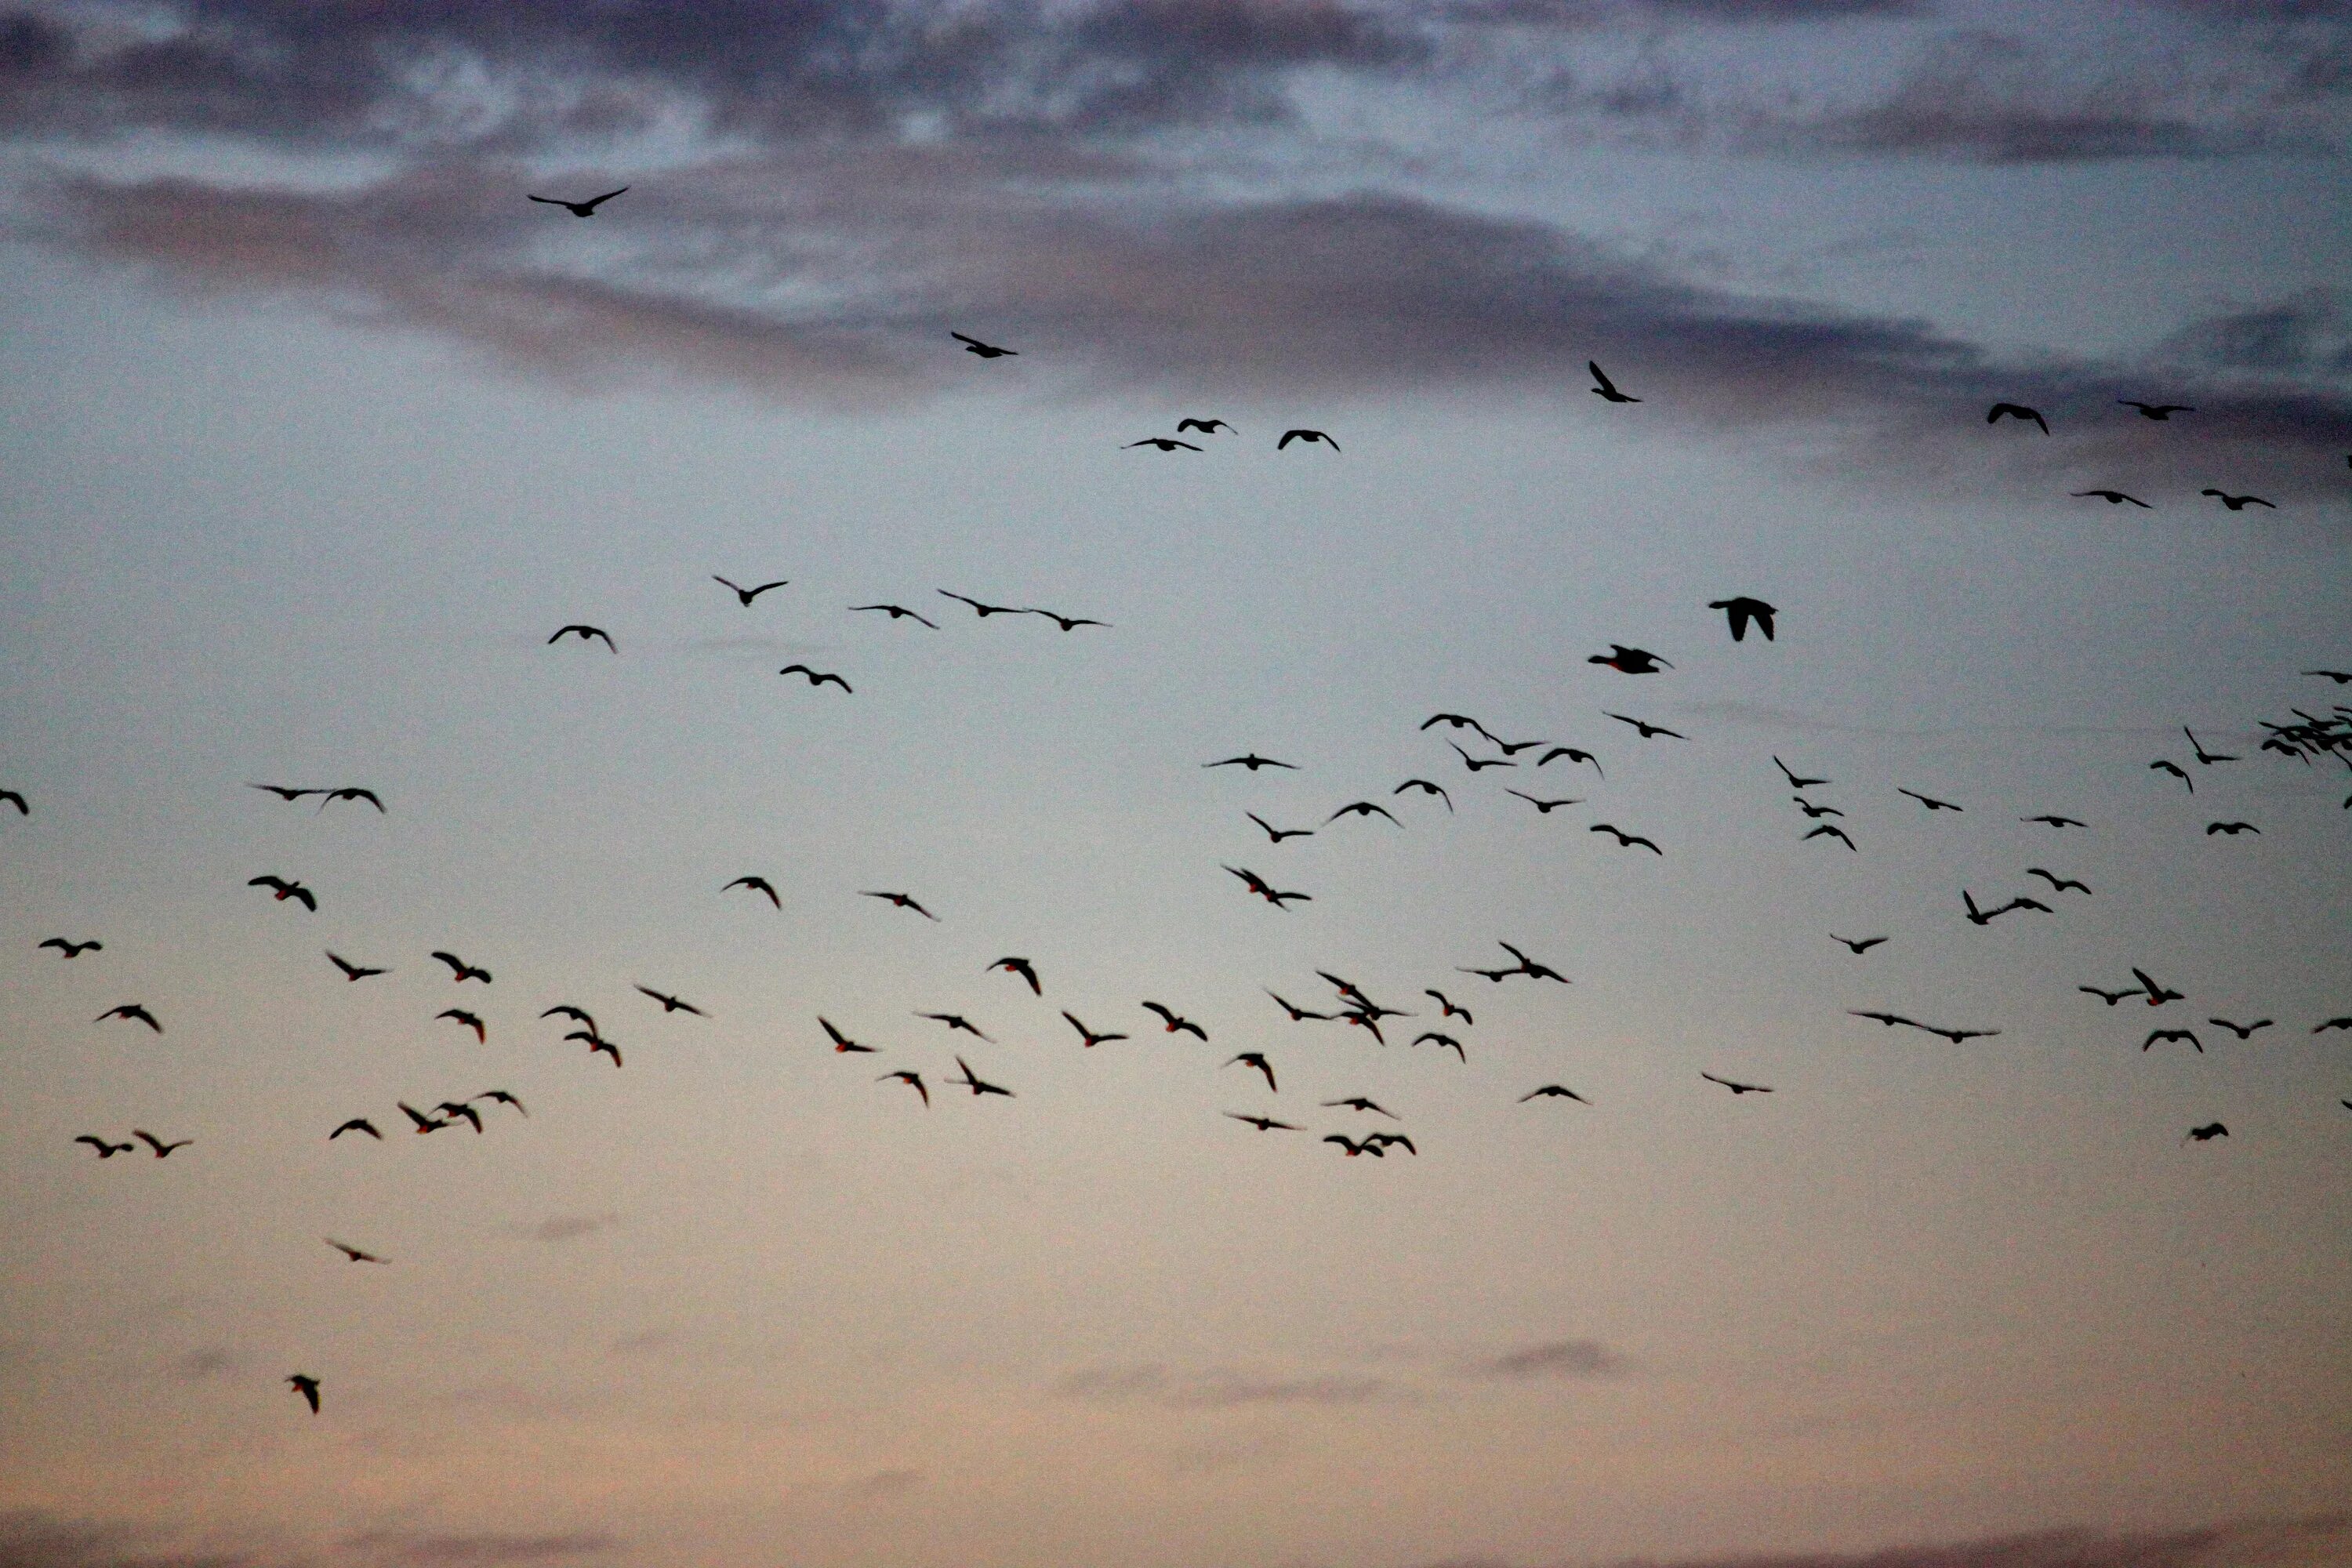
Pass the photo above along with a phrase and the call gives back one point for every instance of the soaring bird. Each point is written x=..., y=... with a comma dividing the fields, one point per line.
x=2156, y=410
x=2341, y=676
x=1648, y=732
x=1546, y=807
x=2207, y=1133
x=1278, y=834
x=1307, y=435
x=1602, y=387
x=2157, y=995
x=1176, y=1024
x=1354, y=1148
x=1889, y=1019
x=2243, y=1031
x=957, y=1021
x=577, y=209
x=460, y=1108
x=303, y=1382
x=1815, y=812
x=1088, y=1037
x=460, y=971
x=842, y=1042
x=419, y=1121
x=1451, y=1009
x=465, y=1020
x=356, y=1124
x=352, y=1254
x=1630, y=661
x=986, y=350
x=2055, y=821
x=975, y=1082
x=1477, y=765
x=1259, y=886
x=503, y=1098
x=131, y=1012
x=106, y=1150
x=597, y=1043
x=1794, y=780
x=1554, y=1092
x=756, y=885
x=352, y=971
x=2019, y=412
x=2344, y=1023
x=1444, y=1042
x=745, y=595
x=1456, y=721
x=1741, y=611
x=1961, y=1037
x=1379, y=1141
x=283, y=890
x=1361, y=809
x=901, y=900
x=2113, y=498
x=1832, y=830
x=1300, y=1014
x=2204, y=757
x=1206, y=426
x=817, y=677
x=2163, y=767
x=898, y=613
x=1929, y=801
x=913, y=1079
x=670, y=1004
x=2189, y=1035
x=283, y=792
x=1858, y=946
x=1986, y=917
x=1252, y=761
x=162, y=1149
x=1021, y=967
x=2058, y=884
x=1573, y=755
x=566, y=1010
x=1265, y=1123
x=1068, y=623
x=2231, y=829
x=1426, y=787
x=1258, y=1060
x=1365, y=1021
x=72, y=948
x=1736, y=1087
x=2237, y=503
x=1357, y=1102
x=1625, y=840
x=584, y=633
x=983, y=610
x=1164, y=442
x=350, y=792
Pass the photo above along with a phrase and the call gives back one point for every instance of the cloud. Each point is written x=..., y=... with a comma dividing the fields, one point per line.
x=567, y=1227
x=1552, y=1359
x=885, y=1484
x=1219, y=1388
x=209, y=1361
x=32, y=1538
x=449, y=1550
x=2318, y=1542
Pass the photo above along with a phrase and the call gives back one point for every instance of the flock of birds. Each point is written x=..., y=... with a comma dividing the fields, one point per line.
x=2306, y=736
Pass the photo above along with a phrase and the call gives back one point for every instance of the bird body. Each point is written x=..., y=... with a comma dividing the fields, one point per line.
x=2207, y=1133
x=1252, y=761
x=914, y=1079
x=1857, y=945
x=745, y=595
x=356, y=1124
x=1624, y=840
x=583, y=632
x=460, y=971
x=816, y=676
x=1174, y=1023
x=842, y=1042
x=985, y=351
x=283, y=890
x=1832, y=830
x=2156, y=410
x=1648, y=732
x=955, y=1021
x=901, y=900
x=898, y=613
x=350, y=792
x=1164, y=442
x=353, y=971
x=1278, y=834
x=1258, y=1060
x=352, y=1254
x=1021, y=967
x=2113, y=498
x=2189, y=1035
x=1630, y=661
x=1258, y=885
x=2019, y=412
x=670, y=1004
x=304, y=1383
x=2237, y=503
x=131, y=1012
x=105, y=1150
x=1602, y=387
x=1553, y=1092
x=1931, y=802
x=1309, y=437
x=1263, y=1123
x=1736, y=1087
x=758, y=884
x=1090, y=1037
x=467, y=1021
x=162, y=1149
x=1741, y=610
x=975, y=1082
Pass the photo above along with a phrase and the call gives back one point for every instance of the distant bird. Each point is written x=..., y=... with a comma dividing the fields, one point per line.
x=1648, y=732
x=2231, y=829
x=983, y=610
x=1477, y=765
x=2055, y=821
x=898, y=613
x=1361, y=809
x=1986, y=917
x=2189, y=1035
x=1815, y=812
x=419, y=1121
x=1961, y=1037
x=1021, y=967
x=902, y=901
x=2110, y=998
x=577, y=209
x=1176, y=1024
x=1068, y=623
x=106, y=1150
x=1258, y=1060
x=162, y=1149
x=1278, y=834
x=2243, y=1031
x=2113, y=498
x=131, y=1012
x=1307, y=435
x=350, y=792
x=1367, y=1022
x=1444, y=1042
x=16, y=799
x=353, y=971
x=2237, y=503
x=816, y=676
x=283, y=792
x=1259, y=886
x=1265, y=1123
x=956, y=1021
x=71, y=948
x=1456, y=721
x=584, y=633
x=1602, y=387
x=1625, y=840
x=1426, y=787
x=1573, y=755
x=1353, y=1148
x=1089, y=1038
x=1889, y=1019
x=1795, y=781
x=1931, y=802
x=1554, y=1092
x=2157, y=995
x=745, y=595
x=351, y=1254
x=2204, y=757
x=1832, y=830
x=756, y=885
x=842, y=1042
x=975, y=1082
x=1252, y=761
x=2162, y=766
x=2057, y=884
x=2341, y=676
x=1357, y=1102
x=1452, y=1009
x=465, y=1020
x=2156, y=410
x=2344, y=1023
x=303, y=1382
x=914, y=1078
x=503, y=1098
x=460, y=1108
x=1546, y=806
x=356, y=1124
x=1206, y=426
x=985, y=351
x=1736, y=1087
x=566, y=1010
x=1859, y=945
x=1378, y=1141
x=670, y=1004
x=460, y=971
x=1300, y=1014
x=2017, y=411
x=597, y=1043
x=1164, y=442
x=2207, y=1133
x=1742, y=610
x=1630, y=661
x=283, y=890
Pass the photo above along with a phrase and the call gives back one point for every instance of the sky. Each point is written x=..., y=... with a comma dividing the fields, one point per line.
x=314, y=430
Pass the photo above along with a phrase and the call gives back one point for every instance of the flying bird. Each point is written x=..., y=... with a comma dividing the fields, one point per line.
x=71, y=948
x=1253, y=762
x=1794, y=781
x=842, y=1042
x=1530, y=968
x=460, y=971
x=1307, y=435
x=1889, y=1019
x=745, y=595
x=1360, y=808
x=584, y=633
x=597, y=1043
x=2017, y=411
x=16, y=799
x=1457, y=721
x=670, y=1004
x=2344, y=1023
x=1986, y=917
x=1278, y=834
x=2157, y=995
x=1164, y=442
x=2054, y=821
x=1742, y=610
x=1832, y=830
x=2207, y=1133
x=1444, y=1042
x=1353, y=1148
x=1648, y=732
x=1357, y=1102
x=1815, y=812
x=1021, y=967
x=985, y=351
x=2341, y=676
x=350, y=792
x=980, y=609
x=816, y=676
x=1546, y=807
x=467, y=1021
x=1630, y=661
x=283, y=792
x=503, y=1098
x=106, y=1150
x=2113, y=498
x=2237, y=503
x=352, y=1254
x=2243, y=1031
x=2057, y=884
x=1263, y=1123
x=566, y=1010
x=1088, y=1037
x=2204, y=757
x=1554, y=1092
x=1857, y=945
x=1625, y=840
x=956, y=1021
x=131, y=1012
x=1961, y=1037
x=1451, y=1009
x=2189, y=1035
x=577, y=209
x=2156, y=410
x=1375, y=1142
x=1258, y=1060
x=1068, y=623
x=352, y=971
x=897, y=612
x=283, y=890
x=1573, y=755
x=1300, y=1014
x=1206, y=426
x=756, y=885
x=1736, y=1087
x=1602, y=387
x=162, y=1149
x=973, y=1081
x=1259, y=886
x=421, y=1122
x=913, y=1079
x=902, y=901
x=1176, y=1024
x=2231, y=829
x=1477, y=764
x=356, y=1124
x=2162, y=766
x=1425, y=787
x=303, y=1382
x=1929, y=801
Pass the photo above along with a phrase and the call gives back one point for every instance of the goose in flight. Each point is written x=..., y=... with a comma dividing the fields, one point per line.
x=2206, y=1133
x=2237, y=503
x=1546, y=807
x=2344, y=1023
x=2341, y=676
x=985, y=351
x=1444, y=1042
x=1259, y=886
x=1602, y=387
x=303, y=1382
x=897, y=612
x=2113, y=498
x=584, y=633
x=1206, y=426
x=1929, y=801
x=1815, y=812
x=1176, y=1024
x=1353, y=1148
x=2156, y=410
x=352, y=1254
x=1278, y=834
x=460, y=971
x=566, y=1010
x=356, y=1124
x=16, y=799
x=162, y=1149
x=503, y=1098
x=1426, y=787
x=1164, y=442
x=1361, y=809
x=2164, y=765
x=1309, y=437
x=283, y=890
x=1742, y=610
x=285, y=792
x=1301, y=1014
x=670, y=1004
x=1554, y=1092
x=72, y=948
x=1573, y=755
x=1357, y=1102
x=2156, y=995
x=914, y=1079
x=2058, y=884
x=1457, y=721
x=1449, y=1009
x=1625, y=840
x=1258, y=1060
x=352, y=971
x=1252, y=761
x=1986, y=917
x=1630, y=661
x=1479, y=764
x=1889, y=1019
x=465, y=1020
x=745, y=595
x=2197, y=749
x=1021, y=967
x=1068, y=623
x=2052, y=820
x=901, y=900
x=2231, y=829
x=815, y=677
x=1794, y=780
x=2188, y=1034
x=1530, y=968
x=106, y=1150
x=1736, y=1087
x=350, y=792
x=579, y=209
x=842, y=1043
x=955, y=1021
x=1857, y=944
x=1832, y=830
x=1088, y=1037
x=983, y=610
x=2019, y=412
x=1265, y=1123
x=1961, y=1037
x=131, y=1012
x=975, y=1082
x=756, y=885
x=2243, y=1031
x=1648, y=732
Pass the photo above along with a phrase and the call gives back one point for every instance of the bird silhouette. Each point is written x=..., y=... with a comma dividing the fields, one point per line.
x=2019, y=412
x=1379, y=1140
x=460, y=971
x=1259, y=886
x=815, y=677
x=303, y=1382
x=284, y=792
x=1625, y=840
x=420, y=1123
x=975, y=1082
x=901, y=900
x=1741, y=610
x=1630, y=661
x=913, y=1079
x=1961, y=1037
x=756, y=885
x=1444, y=1042
x=1832, y=830
x=282, y=890
x=1175, y=1023
x=745, y=595
x=1021, y=967
x=1889, y=1019
x=131, y=1012
x=2054, y=821
x=1451, y=1009
x=566, y=1010
x=670, y=1004
x=1931, y=802
x=1426, y=787
x=352, y=971
x=2204, y=757
x=1206, y=426
x=2237, y=503
x=1258, y=1060
x=503, y=1098
x=71, y=948
x=1068, y=623
x=1252, y=761
x=1478, y=764
x=2341, y=676
x=2344, y=1023
x=897, y=612
x=2189, y=1035
x=352, y=1254
x=1456, y=721
x=1307, y=435
x=1546, y=807
x=2113, y=498
x=1353, y=1148
x=2057, y=884
x=983, y=610
x=597, y=1043
x=985, y=351
x=1301, y=1014
x=2243, y=1031
x=105, y=1150
x=1164, y=442
x=459, y=1108
x=2206, y=1133
x=1278, y=834
x=1573, y=755
x=1648, y=732
x=2156, y=410
x=465, y=1020
x=1602, y=387
x=842, y=1043
x=1858, y=946
x=16, y=799
x=584, y=633
x=1554, y=1092
x=1265, y=1123
x=955, y=1021
x=1736, y=1087
x=2161, y=765
x=1361, y=809
x=1815, y=812
x=356, y=1124
x=1089, y=1038
x=1795, y=781
x=2156, y=995
x=2231, y=829
x=1357, y=1102
x=350, y=792
x=579, y=209
x=1531, y=969
x=1986, y=917
x=162, y=1149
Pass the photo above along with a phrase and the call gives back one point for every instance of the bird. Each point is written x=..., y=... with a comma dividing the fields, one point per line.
x=1960, y=1036
x=162, y=1149
x=1307, y=435
x=1258, y=1060
x=1360, y=808
x=2113, y=498
x=2189, y=1035
x=1426, y=787
x=131, y=1012
x=106, y=1150
x=1278, y=834
x=816, y=676
x=2341, y=676
x=1457, y=721
x=756, y=885
x=566, y=1010
x=577, y=209
x=1021, y=967
x=1741, y=610
x=1375, y=1142
x=350, y=792
x=1365, y=1021
x=1832, y=830
x=1794, y=781
x=1300, y=1014
x=1357, y=1102
x=983, y=610
x=1602, y=387
x=421, y=1122
x=352, y=971
x=1630, y=661
x=2207, y=1133
x=842, y=1042
x=745, y=595
x=1857, y=945
x=1889, y=1019
x=503, y=1098
x=1815, y=812
x=2344, y=1023
x=1206, y=426
x=1554, y=1092
x=2052, y=820
x=2157, y=995
x=1177, y=1024
x=2231, y=829
x=975, y=1082
x=899, y=612
x=2204, y=757
x=1625, y=840
x=2019, y=412
x=1530, y=968
x=284, y=889
x=1252, y=761
x=352, y=1254
x=467, y=1021
x=913, y=1079
x=1259, y=886
x=2057, y=884
x=1929, y=801
x=1444, y=1042
x=597, y=1043
x=1736, y=1087
x=1648, y=732
x=2237, y=503
x=283, y=792
x=1353, y=1148
x=71, y=948
x=584, y=633
x=1986, y=917
x=1546, y=807
x=2243, y=1031
x=956, y=1021
x=1088, y=1037
x=670, y=1004
x=985, y=351
x=460, y=971
x=2156, y=410
x=1165, y=444
x=1477, y=765
x=1451, y=1009
x=902, y=901
x=1068, y=623
x=303, y=1382
x=2110, y=998
x=356, y=1124
x=1265, y=1123
x=2162, y=766
x=1573, y=755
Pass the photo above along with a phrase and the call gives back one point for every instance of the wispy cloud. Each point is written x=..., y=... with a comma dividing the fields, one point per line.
x=1221, y=1388
x=567, y=1227
x=431, y=1548
x=1551, y=1359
